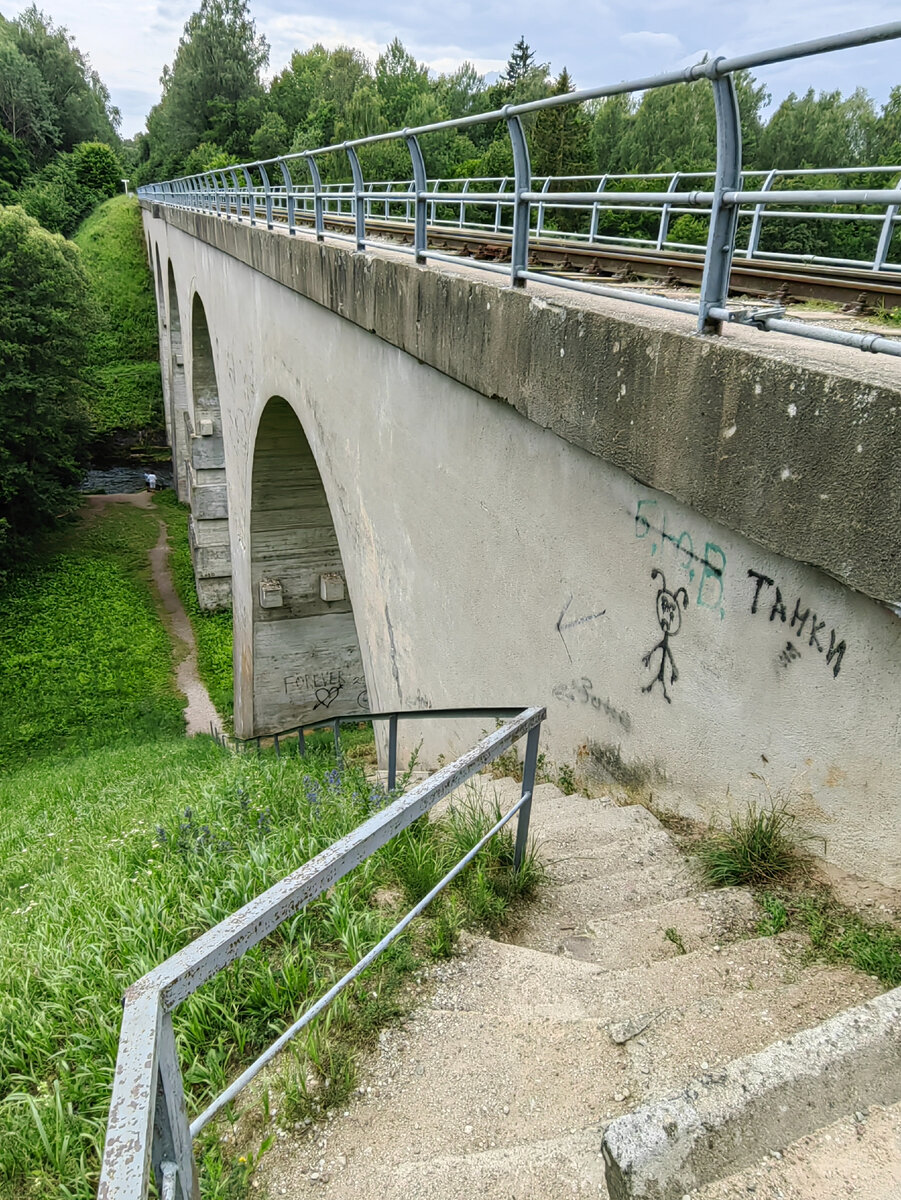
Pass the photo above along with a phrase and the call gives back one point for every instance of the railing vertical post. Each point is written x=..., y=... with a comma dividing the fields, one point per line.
x=359, y=197
x=663, y=227
x=595, y=212
x=275, y=742
x=289, y=194
x=539, y=224
x=392, y=751
x=754, y=235
x=301, y=743
x=530, y=762
x=251, y=196
x=522, y=181
x=419, y=187
x=267, y=192
x=497, y=206
x=465, y=188
x=171, y=1129
x=318, y=215
x=886, y=234
x=723, y=217
x=337, y=732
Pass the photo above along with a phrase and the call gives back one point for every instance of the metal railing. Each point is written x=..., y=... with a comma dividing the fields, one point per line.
x=391, y=201
x=149, y=1130
x=245, y=190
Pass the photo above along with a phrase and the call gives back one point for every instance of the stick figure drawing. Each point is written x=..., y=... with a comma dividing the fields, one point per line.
x=669, y=618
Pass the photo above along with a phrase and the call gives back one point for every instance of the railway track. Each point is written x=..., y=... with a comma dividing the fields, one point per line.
x=783, y=282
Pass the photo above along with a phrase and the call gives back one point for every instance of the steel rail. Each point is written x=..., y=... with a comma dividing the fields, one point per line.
x=148, y=1130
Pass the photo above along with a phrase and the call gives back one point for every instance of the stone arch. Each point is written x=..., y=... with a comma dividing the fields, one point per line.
x=307, y=664
x=178, y=394
x=206, y=471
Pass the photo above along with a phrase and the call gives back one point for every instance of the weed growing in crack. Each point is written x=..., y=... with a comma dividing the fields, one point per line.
x=757, y=848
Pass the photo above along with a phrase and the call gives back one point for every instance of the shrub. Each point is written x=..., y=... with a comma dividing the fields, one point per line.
x=757, y=848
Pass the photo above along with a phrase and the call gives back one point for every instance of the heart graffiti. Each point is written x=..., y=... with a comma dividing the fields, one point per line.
x=325, y=697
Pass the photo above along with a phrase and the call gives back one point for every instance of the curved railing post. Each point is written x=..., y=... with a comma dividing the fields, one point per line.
x=237, y=188
x=464, y=189
x=497, y=206
x=723, y=217
x=289, y=194
x=663, y=227
x=267, y=194
x=359, y=197
x=886, y=234
x=522, y=180
x=754, y=235
x=595, y=211
x=539, y=225
x=318, y=214
x=419, y=187
x=251, y=195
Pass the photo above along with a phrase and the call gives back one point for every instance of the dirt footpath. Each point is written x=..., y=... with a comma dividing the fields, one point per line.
x=199, y=711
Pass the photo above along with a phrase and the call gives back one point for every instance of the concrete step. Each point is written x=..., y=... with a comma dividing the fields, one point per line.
x=858, y=1157
x=512, y=1052
x=700, y=921
x=558, y=1168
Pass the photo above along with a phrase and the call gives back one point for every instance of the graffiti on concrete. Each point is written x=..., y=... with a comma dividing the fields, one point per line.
x=704, y=570
x=803, y=623
x=573, y=622
x=669, y=618
x=789, y=654
x=581, y=691
x=321, y=689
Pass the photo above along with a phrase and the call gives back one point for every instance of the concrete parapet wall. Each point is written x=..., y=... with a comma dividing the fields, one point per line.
x=490, y=559
x=793, y=445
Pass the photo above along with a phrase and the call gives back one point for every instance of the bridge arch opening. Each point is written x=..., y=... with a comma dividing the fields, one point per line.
x=207, y=490
x=178, y=392
x=307, y=664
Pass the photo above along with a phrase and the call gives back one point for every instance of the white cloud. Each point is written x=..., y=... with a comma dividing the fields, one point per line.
x=644, y=40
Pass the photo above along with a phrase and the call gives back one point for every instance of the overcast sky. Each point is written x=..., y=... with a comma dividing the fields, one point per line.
x=600, y=41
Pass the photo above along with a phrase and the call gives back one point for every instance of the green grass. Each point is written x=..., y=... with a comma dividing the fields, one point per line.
x=212, y=630
x=84, y=658
x=112, y=862
x=837, y=934
x=126, y=392
x=756, y=849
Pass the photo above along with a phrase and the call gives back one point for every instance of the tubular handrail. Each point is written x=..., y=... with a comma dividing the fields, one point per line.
x=721, y=203
x=148, y=1129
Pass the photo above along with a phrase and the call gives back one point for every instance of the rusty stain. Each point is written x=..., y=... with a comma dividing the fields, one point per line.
x=835, y=776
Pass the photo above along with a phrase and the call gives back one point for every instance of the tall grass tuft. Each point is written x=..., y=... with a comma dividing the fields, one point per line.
x=757, y=848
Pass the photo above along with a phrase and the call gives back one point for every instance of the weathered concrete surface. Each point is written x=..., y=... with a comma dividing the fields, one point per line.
x=731, y=1118
x=793, y=445
x=490, y=561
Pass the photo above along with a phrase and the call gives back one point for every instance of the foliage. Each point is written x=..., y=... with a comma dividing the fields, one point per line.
x=113, y=861
x=44, y=314
x=212, y=630
x=757, y=848
x=82, y=648
x=212, y=92
x=50, y=98
x=124, y=390
x=71, y=185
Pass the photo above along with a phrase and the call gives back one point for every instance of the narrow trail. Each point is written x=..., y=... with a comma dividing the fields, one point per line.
x=200, y=712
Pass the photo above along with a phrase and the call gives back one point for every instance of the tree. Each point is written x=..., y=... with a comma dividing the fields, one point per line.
x=521, y=65
x=45, y=316
x=26, y=109
x=212, y=92
x=399, y=81
x=820, y=131
x=270, y=139
x=79, y=100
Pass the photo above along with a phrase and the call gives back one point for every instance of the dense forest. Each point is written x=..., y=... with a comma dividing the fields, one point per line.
x=215, y=109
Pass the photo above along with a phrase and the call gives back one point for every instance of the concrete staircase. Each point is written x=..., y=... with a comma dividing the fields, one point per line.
x=502, y=1083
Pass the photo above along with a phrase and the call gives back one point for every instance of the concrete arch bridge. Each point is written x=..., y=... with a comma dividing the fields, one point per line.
x=418, y=486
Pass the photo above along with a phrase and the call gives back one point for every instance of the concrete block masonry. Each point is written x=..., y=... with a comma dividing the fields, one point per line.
x=729, y=1119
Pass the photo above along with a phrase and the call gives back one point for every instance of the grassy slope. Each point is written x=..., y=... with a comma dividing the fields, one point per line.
x=126, y=392
x=84, y=659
